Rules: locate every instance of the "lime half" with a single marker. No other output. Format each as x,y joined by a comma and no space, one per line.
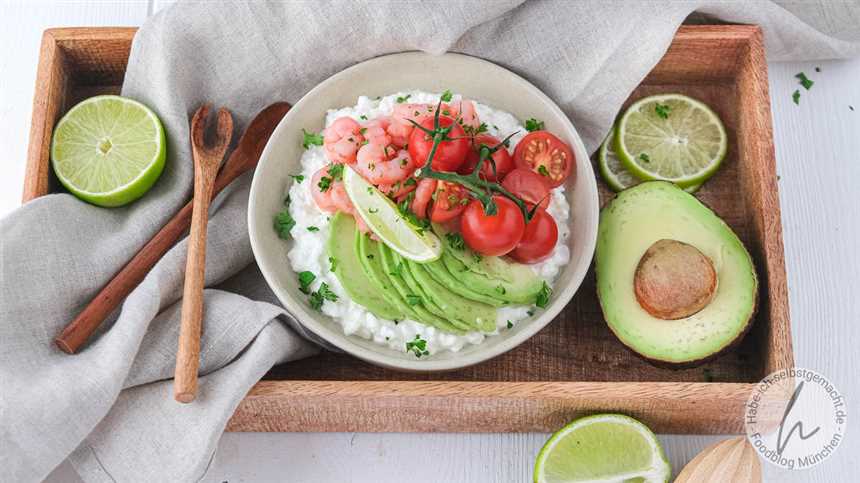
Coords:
108,150
604,448
614,173
671,137
385,220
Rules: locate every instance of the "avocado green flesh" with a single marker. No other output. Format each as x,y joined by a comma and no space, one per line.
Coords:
629,225
349,271
371,261
475,314
423,315
491,267
441,275
521,291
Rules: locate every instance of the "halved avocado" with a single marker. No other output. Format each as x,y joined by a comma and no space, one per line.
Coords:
349,271
675,283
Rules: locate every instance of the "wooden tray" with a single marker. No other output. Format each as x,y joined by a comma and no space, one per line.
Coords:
575,365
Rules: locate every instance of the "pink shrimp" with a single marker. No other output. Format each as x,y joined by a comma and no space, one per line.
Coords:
465,113
383,164
333,198
342,140
375,131
401,126
423,195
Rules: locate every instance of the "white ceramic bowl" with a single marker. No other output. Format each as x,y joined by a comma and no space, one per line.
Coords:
474,79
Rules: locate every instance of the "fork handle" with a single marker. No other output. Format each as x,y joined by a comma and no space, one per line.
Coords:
188,353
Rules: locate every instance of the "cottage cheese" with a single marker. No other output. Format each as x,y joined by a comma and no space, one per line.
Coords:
308,251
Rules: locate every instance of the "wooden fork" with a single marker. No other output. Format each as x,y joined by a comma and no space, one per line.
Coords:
207,160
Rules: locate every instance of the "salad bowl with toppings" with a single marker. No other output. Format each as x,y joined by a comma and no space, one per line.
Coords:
426,219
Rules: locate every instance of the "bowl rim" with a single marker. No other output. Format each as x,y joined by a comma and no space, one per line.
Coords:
342,341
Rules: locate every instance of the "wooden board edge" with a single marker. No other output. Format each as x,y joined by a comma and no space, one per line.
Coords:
441,406
63,35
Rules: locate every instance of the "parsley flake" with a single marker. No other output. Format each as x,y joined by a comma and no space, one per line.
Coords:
297,177
398,270
510,325
412,299
796,97
501,289
362,117
662,110
402,99
284,222
373,210
310,139
446,96
306,278
533,125
455,241
804,81
417,346
323,293
543,171
333,263
644,157
542,299
313,229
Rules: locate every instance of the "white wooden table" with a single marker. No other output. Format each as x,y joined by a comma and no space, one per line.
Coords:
818,160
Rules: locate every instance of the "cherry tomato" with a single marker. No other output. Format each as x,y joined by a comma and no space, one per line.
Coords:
504,161
527,186
546,155
538,240
449,155
451,199
493,235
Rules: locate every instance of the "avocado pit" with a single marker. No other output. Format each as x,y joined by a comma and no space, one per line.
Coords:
674,280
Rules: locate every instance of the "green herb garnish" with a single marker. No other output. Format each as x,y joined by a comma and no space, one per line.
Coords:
510,325
410,182
372,210
362,117
662,110
530,312
533,125
804,81
447,96
474,131
542,299
297,177
543,171
796,97
402,99
323,293
284,222
398,270
310,138
644,157
313,229
501,289
412,299
455,241
305,280
333,263
336,171
417,346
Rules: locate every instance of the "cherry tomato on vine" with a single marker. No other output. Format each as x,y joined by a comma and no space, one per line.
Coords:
493,235
538,240
546,155
502,158
449,155
527,186
451,199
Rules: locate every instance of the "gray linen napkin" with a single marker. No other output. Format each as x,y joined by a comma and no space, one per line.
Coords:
110,407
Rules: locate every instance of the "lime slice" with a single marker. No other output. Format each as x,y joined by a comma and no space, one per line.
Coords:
614,173
108,150
386,222
685,145
604,448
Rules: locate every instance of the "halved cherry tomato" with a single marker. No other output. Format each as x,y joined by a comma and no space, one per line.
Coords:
449,155
527,186
451,199
546,155
493,235
538,240
502,158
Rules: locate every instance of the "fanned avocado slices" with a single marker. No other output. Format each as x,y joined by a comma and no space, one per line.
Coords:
441,274
478,315
523,290
348,269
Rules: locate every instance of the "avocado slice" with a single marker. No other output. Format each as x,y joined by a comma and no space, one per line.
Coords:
437,270
491,267
478,315
351,274
657,217
399,266
523,290
368,254
422,314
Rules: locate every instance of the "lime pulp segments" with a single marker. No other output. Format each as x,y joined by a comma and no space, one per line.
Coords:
108,150
671,137
604,447
386,222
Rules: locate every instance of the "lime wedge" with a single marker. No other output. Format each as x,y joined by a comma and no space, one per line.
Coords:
671,137
385,220
614,173
108,150
604,448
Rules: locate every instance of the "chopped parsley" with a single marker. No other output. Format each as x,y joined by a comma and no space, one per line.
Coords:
402,99
478,257
501,289
333,263
410,182
543,171
796,97
804,81
297,177
335,173
404,207
373,210
455,241
398,270
325,183
446,96
306,278
370,256
284,222
474,131
313,229
644,157
530,312
417,346
413,299
362,117
542,299
533,124
310,138
370,190
323,293
510,325
662,110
